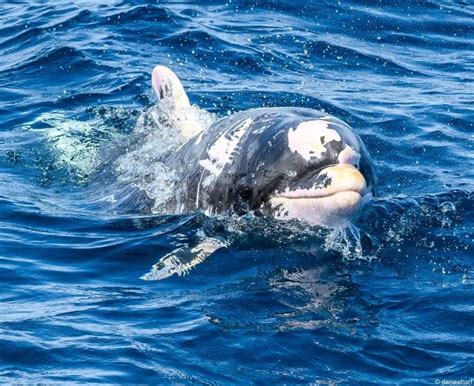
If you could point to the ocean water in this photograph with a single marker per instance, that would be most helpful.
(388, 302)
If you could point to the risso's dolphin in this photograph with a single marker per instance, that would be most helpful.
(282, 162)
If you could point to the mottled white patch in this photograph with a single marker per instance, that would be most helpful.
(310, 137)
(349, 156)
(331, 205)
(335, 211)
(220, 153)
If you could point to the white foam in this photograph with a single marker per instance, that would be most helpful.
(160, 130)
(83, 147)
(75, 144)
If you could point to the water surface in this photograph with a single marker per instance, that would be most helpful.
(277, 304)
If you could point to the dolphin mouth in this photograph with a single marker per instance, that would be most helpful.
(332, 180)
(315, 195)
(339, 192)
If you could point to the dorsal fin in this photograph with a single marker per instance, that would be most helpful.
(168, 87)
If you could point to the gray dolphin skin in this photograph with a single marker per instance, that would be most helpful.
(282, 162)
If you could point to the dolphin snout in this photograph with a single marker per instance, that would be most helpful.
(329, 181)
(337, 194)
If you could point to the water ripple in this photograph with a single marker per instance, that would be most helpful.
(390, 302)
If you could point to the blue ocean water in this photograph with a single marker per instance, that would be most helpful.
(393, 305)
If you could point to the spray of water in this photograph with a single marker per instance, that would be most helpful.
(158, 132)
(75, 145)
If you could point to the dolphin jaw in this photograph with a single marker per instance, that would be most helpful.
(331, 206)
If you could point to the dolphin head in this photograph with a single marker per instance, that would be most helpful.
(317, 171)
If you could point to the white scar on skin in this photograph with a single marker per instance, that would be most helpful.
(221, 151)
(349, 156)
(309, 138)
(199, 138)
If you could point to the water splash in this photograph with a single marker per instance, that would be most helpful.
(348, 242)
(158, 132)
(75, 145)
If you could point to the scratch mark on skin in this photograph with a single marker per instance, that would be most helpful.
(221, 151)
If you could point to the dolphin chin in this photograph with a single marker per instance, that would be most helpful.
(335, 211)
(333, 205)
